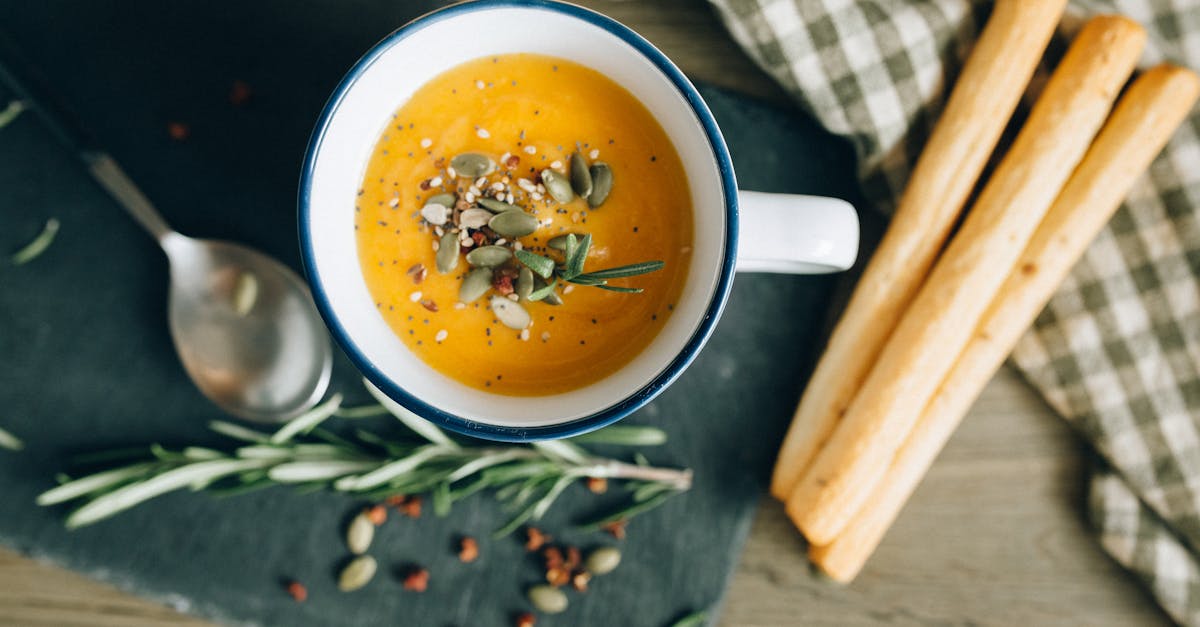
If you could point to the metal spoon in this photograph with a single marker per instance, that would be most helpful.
(244, 324)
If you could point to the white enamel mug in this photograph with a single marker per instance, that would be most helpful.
(791, 234)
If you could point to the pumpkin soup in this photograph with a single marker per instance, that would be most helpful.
(524, 225)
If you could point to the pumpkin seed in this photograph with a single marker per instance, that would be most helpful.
(602, 181)
(488, 256)
(581, 179)
(495, 206)
(476, 284)
(513, 223)
(560, 242)
(558, 186)
(435, 214)
(245, 293)
(472, 165)
(509, 313)
(548, 599)
(474, 218)
(447, 254)
(603, 560)
(357, 573)
(359, 534)
(525, 284)
(445, 200)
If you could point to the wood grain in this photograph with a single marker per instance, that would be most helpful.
(994, 536)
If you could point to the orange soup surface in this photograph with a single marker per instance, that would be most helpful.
(527, 114)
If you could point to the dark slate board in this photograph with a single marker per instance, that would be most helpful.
(88, 362)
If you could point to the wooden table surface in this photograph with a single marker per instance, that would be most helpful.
(995, 535)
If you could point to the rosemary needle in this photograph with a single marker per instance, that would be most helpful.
(423, 458)
(35, 248)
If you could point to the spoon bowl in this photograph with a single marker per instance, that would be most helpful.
(245, 329)
(244, 325)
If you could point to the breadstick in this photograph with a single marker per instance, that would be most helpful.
(935, 329)
(1145, 118)
(980, 105)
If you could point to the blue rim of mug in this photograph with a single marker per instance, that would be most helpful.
(636, 399)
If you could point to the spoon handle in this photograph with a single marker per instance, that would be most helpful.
(37, 96)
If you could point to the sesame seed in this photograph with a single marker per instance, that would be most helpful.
(435, 246)
(556, 165)
(517, 246)
(483, 134)
(470, 197)
(501, 241)
(435, 181)
(460, 306)
(479, 84)
(395, 202)
(498, 186)
(451, 172)
(425, 143)
(441, 336)
(545, 336)
(504, 157)
(535, 195)
(508, 198)
(530, 150)
(415, 296)
(524, 335)
(481, 183)
(595, 153)
(568, 289)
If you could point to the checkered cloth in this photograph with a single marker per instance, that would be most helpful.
(1117, 351)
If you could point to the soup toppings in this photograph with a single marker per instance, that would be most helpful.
(524, 225)
(490, 207)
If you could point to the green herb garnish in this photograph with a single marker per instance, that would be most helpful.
(372, 465)
(10, 441)
(576, 254)
(35, 248)
(10, 113)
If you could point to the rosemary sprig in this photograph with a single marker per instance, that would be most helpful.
(10, 112)
(529, 479)
(38, 245)
(571, 270)
(10, 441)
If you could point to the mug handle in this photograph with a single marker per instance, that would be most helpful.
(794, 234)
